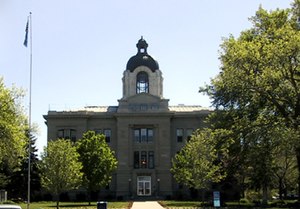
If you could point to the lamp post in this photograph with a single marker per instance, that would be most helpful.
(158, 180)
(129, 188)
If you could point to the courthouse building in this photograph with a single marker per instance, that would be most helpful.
(143, 130)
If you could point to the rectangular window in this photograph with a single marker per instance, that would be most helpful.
(189, 133)
(150, 135)
(151, 159)
(136, 159)
(98, 131)
(137, 135)
(73, 135)
(60, 133)
(67, 134)
(143, 135)
(107, 133)
(143, 159)
(179, 135)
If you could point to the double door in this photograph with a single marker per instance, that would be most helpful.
(144, 185)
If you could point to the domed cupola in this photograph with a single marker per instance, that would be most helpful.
(142, 74)
(142, 58)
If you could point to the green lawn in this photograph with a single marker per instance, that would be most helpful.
(196, 204)
(69, 205)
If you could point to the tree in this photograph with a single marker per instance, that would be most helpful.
(260, 72)
(98, 161)
(285, 167)
(18, 185)
(12, 130)
(199, 163)
(60, 168)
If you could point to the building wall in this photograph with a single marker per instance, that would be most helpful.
(122, 125)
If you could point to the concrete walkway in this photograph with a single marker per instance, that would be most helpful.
(146, 205)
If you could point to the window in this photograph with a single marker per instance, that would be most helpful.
(142, 83)
(179, 134)
(136, 159)
(150, 135)
(107, 133)
(189, 133)
(143, 135)
(98, 131)
(67, 134)
(143, 159)
(150, 159)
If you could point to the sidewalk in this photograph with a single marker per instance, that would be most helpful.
(146, 205)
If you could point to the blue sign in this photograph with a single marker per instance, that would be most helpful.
(217, 199)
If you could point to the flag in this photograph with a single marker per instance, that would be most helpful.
(26, 34)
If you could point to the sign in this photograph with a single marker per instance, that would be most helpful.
(217, 198)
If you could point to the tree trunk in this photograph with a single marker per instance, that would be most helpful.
(280, 188)
(57, 201)
(265, 195)
(90, 197)
(298, 165)
(202, 196)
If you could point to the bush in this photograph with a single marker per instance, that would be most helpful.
(244, 200)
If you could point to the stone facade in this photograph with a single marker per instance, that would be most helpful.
(143, 130)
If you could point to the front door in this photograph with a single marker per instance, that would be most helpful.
(144, 185)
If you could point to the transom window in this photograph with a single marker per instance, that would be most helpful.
(143, 135)
(142, 83)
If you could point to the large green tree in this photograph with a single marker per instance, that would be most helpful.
(98, 161)
(12, 129)
(260, 74)
(60, 168)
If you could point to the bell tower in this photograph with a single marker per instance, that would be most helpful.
(142, 74)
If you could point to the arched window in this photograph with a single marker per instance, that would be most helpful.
(142, 83)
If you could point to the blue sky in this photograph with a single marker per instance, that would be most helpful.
(80, 48)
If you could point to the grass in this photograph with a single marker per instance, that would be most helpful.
(196, 204)
(126, 205)
(70, 205)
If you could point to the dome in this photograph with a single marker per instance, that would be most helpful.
(142, 58)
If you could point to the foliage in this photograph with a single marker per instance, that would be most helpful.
(258, 88)
(200, 161)
(17, 188)
(60, 168)
(12, 129)
(98, 160)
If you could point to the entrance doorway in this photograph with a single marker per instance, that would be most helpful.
(144, 185)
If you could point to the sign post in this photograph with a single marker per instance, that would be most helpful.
(217, 199)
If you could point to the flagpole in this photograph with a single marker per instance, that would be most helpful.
(29, 117)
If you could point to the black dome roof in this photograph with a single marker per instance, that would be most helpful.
(142, 58)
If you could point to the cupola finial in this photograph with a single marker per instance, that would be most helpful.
(142, 46)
